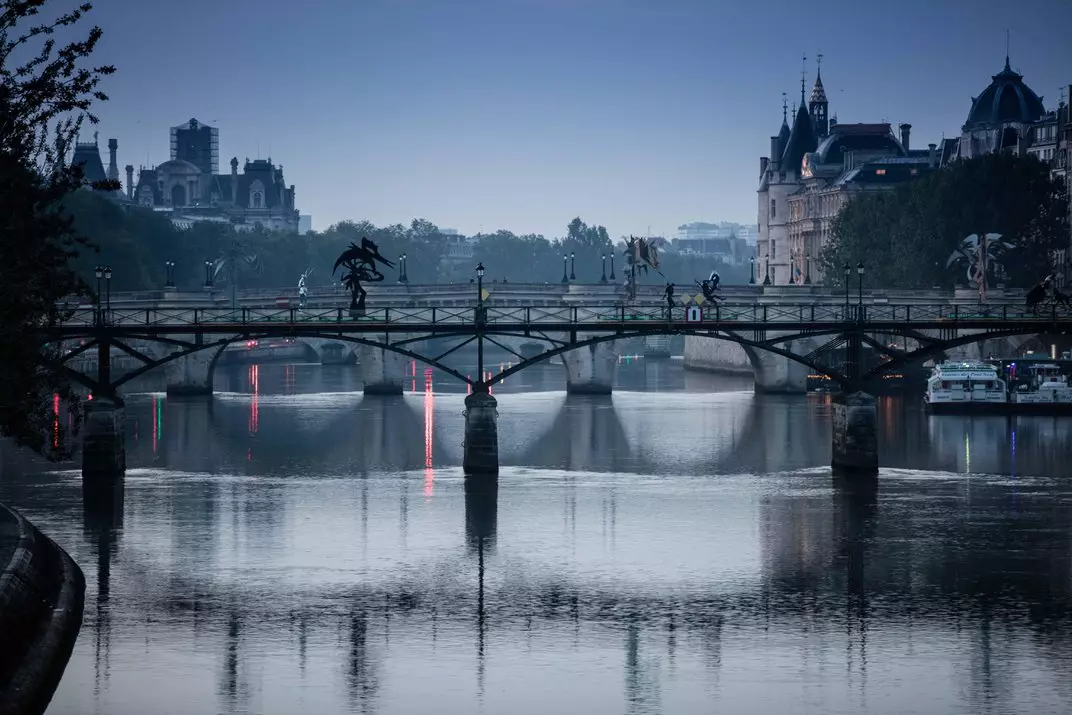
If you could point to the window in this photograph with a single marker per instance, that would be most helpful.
(880, 172)
(258, 199)
(773, 208)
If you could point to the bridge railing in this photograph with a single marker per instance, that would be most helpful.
(788, 314)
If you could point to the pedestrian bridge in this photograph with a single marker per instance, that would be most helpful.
(777, 337)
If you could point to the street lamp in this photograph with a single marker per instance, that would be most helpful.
(848, 271)
(860, 289)
(99, 272)
(108, 289)
(603, 278)
(766, 277)
(751, 270)
(612, 278)
(480, 285)
(169, 273)
(573, 264)
(401, 258)
(565, 259)
(208, 274)
(405, 273)
(480, 319)
(807, 270)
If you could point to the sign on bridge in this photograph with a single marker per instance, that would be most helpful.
(694, 314)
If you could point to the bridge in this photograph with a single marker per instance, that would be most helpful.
(774, 331)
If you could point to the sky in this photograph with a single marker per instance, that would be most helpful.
(639, 115)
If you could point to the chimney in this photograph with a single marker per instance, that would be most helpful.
(113, 167)
(130, 181)
(763, 162)
(234, 180)
(906, 133)
(932, 159)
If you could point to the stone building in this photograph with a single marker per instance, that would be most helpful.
(188, 188)
(814, 167)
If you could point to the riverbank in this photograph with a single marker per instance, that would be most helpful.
(42, 595)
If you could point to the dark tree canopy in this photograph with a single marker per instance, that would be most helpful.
(48, 94)
(904, 237)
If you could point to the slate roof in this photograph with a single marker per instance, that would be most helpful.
(1006, 99)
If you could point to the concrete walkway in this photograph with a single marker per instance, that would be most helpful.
(42, 594)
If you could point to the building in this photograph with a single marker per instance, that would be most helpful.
(305, 224)
(815, 167)
(189, 189)
(726, 242)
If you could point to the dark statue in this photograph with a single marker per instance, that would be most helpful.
(360, 264)
(709, 287)
(1041, 292)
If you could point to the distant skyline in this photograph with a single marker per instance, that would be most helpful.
(521, 114)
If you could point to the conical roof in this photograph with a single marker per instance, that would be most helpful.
(801, 140)
(818, 94)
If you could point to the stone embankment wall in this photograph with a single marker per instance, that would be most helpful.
(42, 595)
(716, 356)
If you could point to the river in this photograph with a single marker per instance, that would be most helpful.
(680, 547)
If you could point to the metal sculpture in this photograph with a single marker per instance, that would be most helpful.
(360, 264)
(979, 252)
(709, 287)
(303, 291)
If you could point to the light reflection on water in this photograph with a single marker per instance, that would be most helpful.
(673, 552)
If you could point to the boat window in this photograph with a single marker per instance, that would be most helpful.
(945, 385)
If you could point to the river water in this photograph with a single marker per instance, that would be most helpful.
(679, 547)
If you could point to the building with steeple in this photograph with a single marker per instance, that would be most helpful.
(815, 167)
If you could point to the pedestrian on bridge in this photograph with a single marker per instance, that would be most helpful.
(669, 293)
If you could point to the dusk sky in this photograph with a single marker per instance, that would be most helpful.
(521, 114)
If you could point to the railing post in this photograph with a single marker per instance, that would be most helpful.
(387, 315)
(433, 315)
(292, 315)
(528, 316)
(147, 321)
(338, 315)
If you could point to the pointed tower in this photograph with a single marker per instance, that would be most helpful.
(783, 133)
(818, 106)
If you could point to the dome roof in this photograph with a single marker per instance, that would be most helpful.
(1007, 99)
(178, 166)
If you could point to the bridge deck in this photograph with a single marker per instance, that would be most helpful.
(587, 318)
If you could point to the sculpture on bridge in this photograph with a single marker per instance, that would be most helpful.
(1041, 293)
(360, 264)
(709, 287)
(983, 254)
(303, 292)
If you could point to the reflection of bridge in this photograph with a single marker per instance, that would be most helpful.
(803, 333)
(820, 565)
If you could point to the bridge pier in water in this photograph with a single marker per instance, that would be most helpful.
(104, 454)
(481, 450)
(590, 369)
(191, 375)
(854, 440)
(382, 371)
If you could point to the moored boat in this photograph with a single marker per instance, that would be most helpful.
(965, 387)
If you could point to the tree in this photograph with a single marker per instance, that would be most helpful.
(49, 94)
(905, 237)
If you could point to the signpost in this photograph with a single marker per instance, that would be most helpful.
(694, 314)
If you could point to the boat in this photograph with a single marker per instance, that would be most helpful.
(1044, 391)
(965, 387)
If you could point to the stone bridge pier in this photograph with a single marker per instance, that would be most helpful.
(772, 373)
(191, 375)
(382, 371)
(590, 369)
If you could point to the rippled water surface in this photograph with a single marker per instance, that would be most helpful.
(291, 546)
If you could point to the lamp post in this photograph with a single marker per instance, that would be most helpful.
(612, 278)
(108, 292)
(807, 270)
(99, 273)
(603, 278)
(401, 257)
(565, 261)
(860, 285)
(405, 272)
(572, 265)
(847, 272)
(208, 274)
(766, 277)
(751, 270)
(480, 320)
(169, 273)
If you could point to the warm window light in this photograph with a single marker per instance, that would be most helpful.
(880, 172)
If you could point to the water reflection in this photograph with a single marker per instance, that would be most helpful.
(640, 553)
